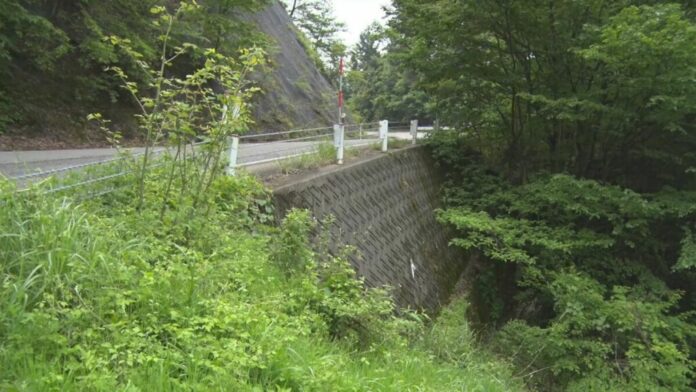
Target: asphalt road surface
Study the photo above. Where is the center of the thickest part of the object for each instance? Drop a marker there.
(19, 163)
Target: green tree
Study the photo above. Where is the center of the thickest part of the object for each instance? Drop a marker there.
(546, 85)
(582, 115)
(58, 50)
(584, 270)
(316, 19)
(217, 24)
(27, 35)
(367, 52)
(379, 85)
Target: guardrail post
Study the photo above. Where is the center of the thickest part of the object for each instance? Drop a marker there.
(339, 141)
(414, 131)
(336, 134)
(234, 152)
(384, 134)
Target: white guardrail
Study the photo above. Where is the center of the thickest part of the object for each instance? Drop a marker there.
(257, 149)
(245, 151)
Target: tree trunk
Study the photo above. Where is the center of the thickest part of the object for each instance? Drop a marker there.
(294, 8)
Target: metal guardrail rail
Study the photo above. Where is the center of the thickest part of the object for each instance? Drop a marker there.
(245, 151)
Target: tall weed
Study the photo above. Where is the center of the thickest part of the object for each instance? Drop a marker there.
(99, 296)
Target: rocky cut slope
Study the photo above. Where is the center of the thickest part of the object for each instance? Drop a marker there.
(295, 94)
(48, 86)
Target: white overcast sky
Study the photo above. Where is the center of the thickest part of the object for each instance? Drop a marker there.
(357, 15)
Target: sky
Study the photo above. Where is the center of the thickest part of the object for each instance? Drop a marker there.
(357, 15)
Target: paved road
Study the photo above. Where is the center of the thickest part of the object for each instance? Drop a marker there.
(19, 163)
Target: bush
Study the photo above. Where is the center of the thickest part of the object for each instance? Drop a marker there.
(98, 296)
(596, 303)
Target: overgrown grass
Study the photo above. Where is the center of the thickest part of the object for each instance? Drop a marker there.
(324, 155)
(99, 297)
(394, 144)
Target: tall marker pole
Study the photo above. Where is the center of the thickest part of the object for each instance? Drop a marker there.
(339, 129)
(341, 73)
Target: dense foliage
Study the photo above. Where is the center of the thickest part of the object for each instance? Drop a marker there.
(102, 296)
(58, 50)
(379, 86)
(591, 283)
(570, 186)
(592, 88)
(570, 176)
(318, 29)
(171, 278)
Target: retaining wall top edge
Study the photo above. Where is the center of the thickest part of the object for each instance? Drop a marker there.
(336, 169)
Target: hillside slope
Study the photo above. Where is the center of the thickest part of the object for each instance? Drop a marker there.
(50, 86)
(295, 93)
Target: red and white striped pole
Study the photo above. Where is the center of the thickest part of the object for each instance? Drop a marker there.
(341, 73)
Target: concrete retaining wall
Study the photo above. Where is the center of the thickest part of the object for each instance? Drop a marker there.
(385, 208)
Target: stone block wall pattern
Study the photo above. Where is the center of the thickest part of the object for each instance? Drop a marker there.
(384, 207)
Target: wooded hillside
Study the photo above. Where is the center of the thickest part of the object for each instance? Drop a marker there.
(54, 55)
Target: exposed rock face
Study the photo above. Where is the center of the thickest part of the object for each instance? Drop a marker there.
(295, 93)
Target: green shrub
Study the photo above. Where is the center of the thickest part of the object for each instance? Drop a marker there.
(324, 154)
(100, 296)
(292, 253)
(596, 302)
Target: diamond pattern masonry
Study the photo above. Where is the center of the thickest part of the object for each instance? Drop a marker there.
(384, 207)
